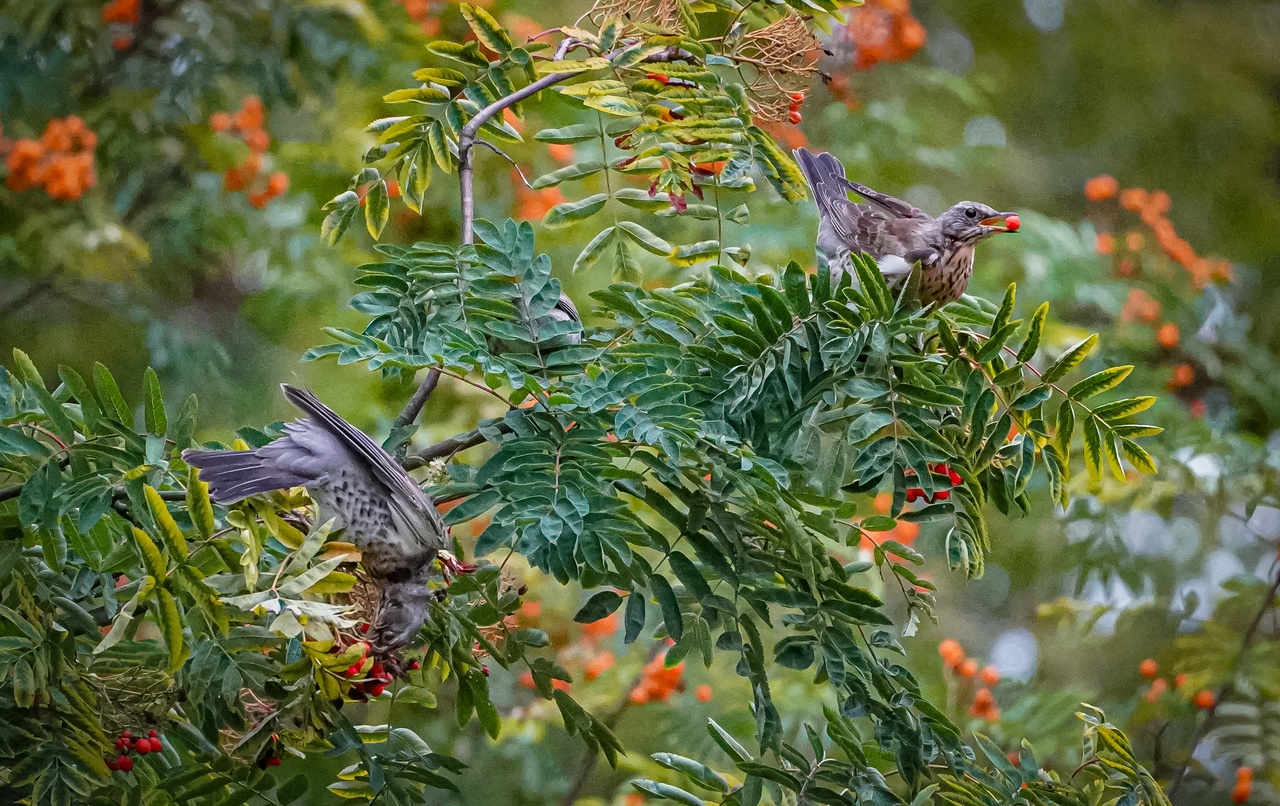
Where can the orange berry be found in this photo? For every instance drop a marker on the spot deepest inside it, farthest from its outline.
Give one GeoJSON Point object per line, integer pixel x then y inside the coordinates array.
{"type": "Point", "coordinates": [906, 532]}
{"type": "Point", "coordinates": [883, 503]}
{"type": "Point", "coordinates": [121, 43]}
{"type": "Point", "coordinates": [220, 121]}
{"type": "Point", "coordinates": [257, 139]}
{"type": "Point", "coordinates": [1239, 793]}
{"type": "Point", "coordinates": [1104, 244]}
{"type": "Point", "coordinates": [1158, 687]}
{"type": "Point", "coordinates": [703, 693]}
{"type": "Point", "coordinates": [1167, 336]}
{"type": "Point", "coordinates": [1183, 375]}
{"type": "Point", "coordinates": [968, 668]}
{"type": "Point", "coordinates": [278, 183]}
{"type": "Point", "coordinates": [259, 200]}
{"type": "Point", "coordinates": [1101, 188]}
{"type": "Point", "coordinates": [1204, 699]}
{"type": "Point", "coordinates": [984, 698]}
{"type": "Point", "coordinates": [251, 115]}
{"type": "Point", "coordinates": [560, 685]}
{"type": "Point", "coordinates": [1148, 668]}
{"type": "Point", "coordinates": [990, 675]}
{"type": "Point", "coordinates": [952, 653]}
{"type": "Point", "coordinates": [1133, 241]}
{"type": "Point", "coordinates": [561, 152]}
{"type": "Point", "coordinates": [1244, 774]}
{"type": "Point", "coordinates": [1133, 199]}
{"type": "Point", "coordinates": [599, 665]}
{"type": "Point", "coordinates": [1180, 681]}
{"type": "Point", "coordinates": [233, 180]}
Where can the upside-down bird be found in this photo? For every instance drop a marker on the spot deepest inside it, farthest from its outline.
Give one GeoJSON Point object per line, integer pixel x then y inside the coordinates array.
{"type": "Point", "coordinates": [358, 484]}
{"type": "Point", "coordinates": [895, 233]}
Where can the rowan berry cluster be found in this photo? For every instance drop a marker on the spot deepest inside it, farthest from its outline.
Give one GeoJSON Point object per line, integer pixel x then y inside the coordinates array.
{"type": "Point", "coordinates": [967, 671]}
{"type": "Point", "coordinates": [122, 13]}
{"type": "Point", "coordinates": [657, 681]}
{"type": "Point", "coordinates": [905, 532]}
{"type": "Point", "coordinates": [60, 162]}
{"type": "Point", "coordinates": [884, 31]}
{"type": "Point", "coordinates": [125, 743]}
{"type": "Point", "coordinates": [247, 123]}
{"type": "Point", "coordinates": [793, 110]}
{"type": "Point", "coordinates": [1152, 208]}
{"type": "Point", "coordinates": [943, 471]}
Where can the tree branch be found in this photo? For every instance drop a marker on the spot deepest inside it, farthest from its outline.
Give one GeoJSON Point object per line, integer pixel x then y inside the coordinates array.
{"type": "Point", "coordinates": [411, 409]}
{"type": "Point", "coordinates": [1229, 687]}
{"type": "Point", "coordinates": [467, 141]}
{"type": "Point", "coordinates": [449, 447]}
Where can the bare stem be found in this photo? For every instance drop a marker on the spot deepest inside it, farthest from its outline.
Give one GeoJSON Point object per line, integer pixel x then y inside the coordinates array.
{"type": "Point", "coordinates": [411, 409]}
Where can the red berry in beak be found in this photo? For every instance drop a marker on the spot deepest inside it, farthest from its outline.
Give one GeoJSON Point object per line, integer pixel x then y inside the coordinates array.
{"type": "Point", "coordinates": [1011, 223]}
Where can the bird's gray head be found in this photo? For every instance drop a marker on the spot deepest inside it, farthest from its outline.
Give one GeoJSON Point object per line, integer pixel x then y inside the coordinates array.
{"type": "Point", "coordinates": [971, 222]}
{"type": "Point", "coordinates": [402, 610]}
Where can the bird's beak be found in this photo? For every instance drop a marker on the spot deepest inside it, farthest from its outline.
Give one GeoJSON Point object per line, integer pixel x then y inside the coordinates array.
{"type": "Point", "coordinates": [1002, 222]}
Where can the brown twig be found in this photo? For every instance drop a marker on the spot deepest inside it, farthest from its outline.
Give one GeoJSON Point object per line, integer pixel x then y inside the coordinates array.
{"type": "Point", "coordinates": [448, 447]}
{"type": "Point", "coordinates": [411, 409]}
{"type": "Point", "coordinates": [1229, 687]}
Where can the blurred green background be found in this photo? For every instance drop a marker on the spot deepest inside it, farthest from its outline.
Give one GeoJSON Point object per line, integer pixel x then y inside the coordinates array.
{"type": "Point", "coordinates": [159, 263]}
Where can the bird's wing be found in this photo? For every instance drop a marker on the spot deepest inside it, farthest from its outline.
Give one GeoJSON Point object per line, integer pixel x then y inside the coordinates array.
{"type": "Point", "coordinates": [411, 506]}
{"type": "Point", "coordinates": [879, 229]}
{"type": "Point", "coordinates": [889, 204]}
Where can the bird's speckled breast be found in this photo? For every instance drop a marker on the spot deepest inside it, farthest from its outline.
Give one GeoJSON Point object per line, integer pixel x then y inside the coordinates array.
{"type": "Point", "coordinates": [946, 280]}
{"type": "Point", "coordinates": [352, 502]}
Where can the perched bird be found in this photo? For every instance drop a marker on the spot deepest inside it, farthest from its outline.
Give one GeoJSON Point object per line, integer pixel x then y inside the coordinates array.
{"type": "Point", "coordinates": [896, 234]}
{"type": "Point", "coordinates": [354, 481]}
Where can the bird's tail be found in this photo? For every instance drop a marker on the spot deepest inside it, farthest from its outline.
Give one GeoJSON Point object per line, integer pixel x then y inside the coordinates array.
{"type": "Point", "coordinates": [233, 475]}
{"type": "Point", "coordinates": [826, 179]}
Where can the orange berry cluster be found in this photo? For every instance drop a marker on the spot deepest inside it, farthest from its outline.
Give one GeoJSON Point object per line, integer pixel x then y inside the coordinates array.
{"type": "Point", "coordinates": [1152, 208]}
{"type": "Point", "coordinates": [984, 702]}
{"type": "Point", "coordinates": [657, 682]}
{"type": "Point", "coordinates": [122, 12]}
{"type": "Point", "coordinates": [797, 98]}
{"type": "Point", "coordinates": [60, 162]}
{"type": "Point", "coordinates": [884, 31]}
{"type": "Point", "coordinates": [247, 124]}
{"type": "Point", "coordinates": [1202, 699]}
{"type": "Point", "coordinates": [1244, 785]}
{"type": "Point", "coordinates": [125, 743]}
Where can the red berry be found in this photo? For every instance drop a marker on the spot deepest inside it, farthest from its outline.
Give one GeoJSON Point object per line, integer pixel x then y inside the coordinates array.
{"type": "Point", "coordinates": [124, 734]}
{"type": "Point", "coordinates": [941, 495]}
{"type": "Point", "coordinates": [484, 670]}
{"type": "Point", "coordinates": [955, 477]}
{"type": "Point", "coordinates": [113, 764]}
{"type": "Point", "coordinates": [914, 493]}
{"type": "Point", "coordinates": [124, 763]}
{"type": "Point", "coordinates": [795, 117]}
{"type": "Point", "coordinates": [414, 666]}
{"type": "Point", "coordinates": [364, 628]}
{"type": "Point", "coordinates": [352, 670]}
{"type": "Point", "coordinates": [376, 689]}
{"type": "Point", "coordinates": [143, 746]}
{"type": "Point", "coordinates": [151, 735]}
{"type": "Point", "coordinates": [1012, 223]}
{"type": "Point", "coordinates": [274, 761]}
{"type": "Point", "coordinates": [123, 744]}
{"type": "Point", "coordinates": [797, 97]}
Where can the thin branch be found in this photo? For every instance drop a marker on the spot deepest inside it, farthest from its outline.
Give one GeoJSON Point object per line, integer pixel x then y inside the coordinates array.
{"type": "Point", "coordinates": [445, 448]}
{"type": "Point", "coordinates": [9, 493]}
{"type": "Point", "coordinates": [467, 140]}
{"type": "Point", "coordinates": [480, 141]}
{"type": "Point", "coordinates": [411, 409]}
{"type": "Point", "coordinates": [1229, 687]}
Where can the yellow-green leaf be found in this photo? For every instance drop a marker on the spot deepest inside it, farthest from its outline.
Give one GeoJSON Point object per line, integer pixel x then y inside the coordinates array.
{"type": "Point", "coordinates": [199, 506]}
{"type": "Point", "coordinates": [151, 556]}
{"type": "Point", "coordinates": [170, 619]}
{"type": "Point", "coordinates": [174, 539]}
{"type": "Point", "coordinates": [486, 29]}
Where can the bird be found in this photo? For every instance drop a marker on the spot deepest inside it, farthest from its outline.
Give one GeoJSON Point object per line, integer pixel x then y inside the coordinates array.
{"type": "Point", "coordinates": [895, 233]}
{"type": "Point", "coordinates": [352, 480]}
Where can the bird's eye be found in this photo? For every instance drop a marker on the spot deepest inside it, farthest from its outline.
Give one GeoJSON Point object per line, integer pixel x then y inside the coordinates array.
{"type": "Point", "coordinates": [971, 212]}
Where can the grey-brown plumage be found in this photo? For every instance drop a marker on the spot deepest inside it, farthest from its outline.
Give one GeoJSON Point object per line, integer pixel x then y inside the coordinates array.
{"type": "Point", "coordinates": [353, 480]}
{"type": "Point", "coordinates": [895, 233]}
